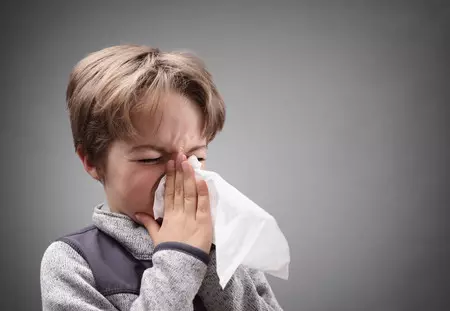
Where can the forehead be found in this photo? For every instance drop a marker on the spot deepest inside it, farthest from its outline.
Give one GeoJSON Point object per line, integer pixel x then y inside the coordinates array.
{"type": "Point", "coordinates": [174, 123]}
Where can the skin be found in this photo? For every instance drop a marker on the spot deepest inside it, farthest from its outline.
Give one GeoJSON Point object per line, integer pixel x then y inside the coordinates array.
{"type": "Point", "coordinates": [135, 167]}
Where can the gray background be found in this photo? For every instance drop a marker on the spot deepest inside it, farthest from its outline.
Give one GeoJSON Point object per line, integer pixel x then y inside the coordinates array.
{"type": "Point", "coordinates": [338, 125]}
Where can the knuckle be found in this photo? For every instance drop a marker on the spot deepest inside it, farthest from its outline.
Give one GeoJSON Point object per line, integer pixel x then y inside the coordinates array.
{"type": "Point", "coordinates": [188, 195]}
{"type": "Point", "coordinates": [178, 190]}
{"type": "Point", "coordinates": [168, 193]}
{"type": "Point", "coordinates": [203, 201]}
{"type": "Point", "coordinates": [202, 208]}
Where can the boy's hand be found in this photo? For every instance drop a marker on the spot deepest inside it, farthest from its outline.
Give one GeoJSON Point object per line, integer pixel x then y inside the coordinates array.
{"type": "Point", "coordinates": [187, 214]}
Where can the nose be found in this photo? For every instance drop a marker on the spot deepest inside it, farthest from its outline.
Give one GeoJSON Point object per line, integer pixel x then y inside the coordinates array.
{"type": "Point", "coordinates": [174, 155]}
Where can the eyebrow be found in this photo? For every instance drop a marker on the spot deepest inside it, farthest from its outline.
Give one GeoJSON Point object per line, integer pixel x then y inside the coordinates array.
{"type": "Point", "coordinates": [161, 149]}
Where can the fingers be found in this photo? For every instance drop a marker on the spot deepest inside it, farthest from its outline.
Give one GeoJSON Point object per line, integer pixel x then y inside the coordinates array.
{"type": "Point", "coordinates": [178, 200]}
{"type": "Point", "coordinates": [203, 208]}
{"type": "Point", "coordinates": [189, 220]}
{"type": "Point", "coordinates": [169, 190]}
{"type": "Point", "coordinates": [190, 189]}
{"type": "Point", "coordinates": [149, 223]}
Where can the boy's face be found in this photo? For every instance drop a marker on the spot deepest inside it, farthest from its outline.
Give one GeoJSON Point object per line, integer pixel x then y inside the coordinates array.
{"type": "Point", "coordinates": [134, 168]}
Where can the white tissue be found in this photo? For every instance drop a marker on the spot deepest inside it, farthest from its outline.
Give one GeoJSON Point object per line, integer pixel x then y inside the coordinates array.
{"type": "Point", "coordinates": [243, 232]}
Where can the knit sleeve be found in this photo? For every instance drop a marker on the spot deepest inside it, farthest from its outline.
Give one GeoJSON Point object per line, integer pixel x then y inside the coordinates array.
{"type": "Point", "coordinates": [248, 289]}
{"type": "Point", "coordinates": [67, 282]}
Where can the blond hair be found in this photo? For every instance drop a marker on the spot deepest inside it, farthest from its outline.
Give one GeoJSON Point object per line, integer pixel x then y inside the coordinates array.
{"type": "Point", "coordinates": [109, 86]}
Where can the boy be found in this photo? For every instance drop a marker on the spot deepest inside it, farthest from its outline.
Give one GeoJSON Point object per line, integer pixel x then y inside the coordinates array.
{"type": "Point", "coordinates": [136, 114]}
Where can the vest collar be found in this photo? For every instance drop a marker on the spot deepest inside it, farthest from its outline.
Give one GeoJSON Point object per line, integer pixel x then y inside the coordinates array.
{"type": "Point", "coordinates": [126, 231]}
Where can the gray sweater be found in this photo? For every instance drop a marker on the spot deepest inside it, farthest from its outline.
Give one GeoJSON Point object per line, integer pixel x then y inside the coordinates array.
{"type": "Point", "coordinates": [176, 277]}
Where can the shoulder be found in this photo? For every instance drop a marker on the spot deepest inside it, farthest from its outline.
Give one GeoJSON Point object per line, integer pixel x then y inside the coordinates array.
{"type": "Point", "coordinates": [60, 253]}
{"type": "Point", "coordinates": [63, 260]}
{"type": "Point", "coordinates": [67, 280]}
{"type": "Point", "coordinates": [66, 247]}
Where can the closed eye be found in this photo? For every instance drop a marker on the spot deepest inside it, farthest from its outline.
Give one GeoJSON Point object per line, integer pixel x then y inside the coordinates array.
{"type": "Point", "coordinates": [155, 160]}
{"type": "Point", "coordinates": [149, 160]}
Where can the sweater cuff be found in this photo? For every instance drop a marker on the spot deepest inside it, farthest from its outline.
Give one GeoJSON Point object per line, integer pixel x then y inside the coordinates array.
{"type": "Point", "coordinates": [184, 248]}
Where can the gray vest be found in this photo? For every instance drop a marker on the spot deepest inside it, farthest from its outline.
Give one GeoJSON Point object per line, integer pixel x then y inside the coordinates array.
{"type": "Point", "coordinates": [121, 273]}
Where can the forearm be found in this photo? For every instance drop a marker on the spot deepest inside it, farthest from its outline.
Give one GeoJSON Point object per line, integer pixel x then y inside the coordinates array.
{"type": "Point", "coordinates": [174, 280]}
{"type": "Point", "coordinates": [247, 290]}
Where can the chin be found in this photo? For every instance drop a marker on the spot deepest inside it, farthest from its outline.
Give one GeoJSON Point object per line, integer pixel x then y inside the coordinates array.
{"type": "Point", "coordinates": [131, 212]}
{"type": "Point", "coordinates": [147, 209]}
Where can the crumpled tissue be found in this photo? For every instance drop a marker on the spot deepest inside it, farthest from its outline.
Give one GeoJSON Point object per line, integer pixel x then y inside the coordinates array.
{"type": "Point", "coordinates": [244, 233]}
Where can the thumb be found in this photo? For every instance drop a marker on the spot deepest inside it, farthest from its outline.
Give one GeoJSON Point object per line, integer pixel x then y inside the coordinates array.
{"type": "Point", "coordinates": [149, 223]}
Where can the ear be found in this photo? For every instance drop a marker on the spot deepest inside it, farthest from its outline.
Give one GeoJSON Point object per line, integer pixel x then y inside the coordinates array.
{"type": "Point", "coordinates": [88, 166]}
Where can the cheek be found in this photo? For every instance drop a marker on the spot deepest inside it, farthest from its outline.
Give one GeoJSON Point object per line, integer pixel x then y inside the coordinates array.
{"type": "Point", "coordinates": [141, 182]}
{"type": "Point", "coordinates": [134, 183]}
